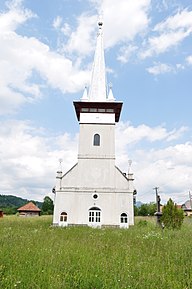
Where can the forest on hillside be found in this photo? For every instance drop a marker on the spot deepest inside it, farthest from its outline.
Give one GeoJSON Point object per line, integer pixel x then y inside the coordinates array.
{"type": "Point", "coordinates": [9, 204]}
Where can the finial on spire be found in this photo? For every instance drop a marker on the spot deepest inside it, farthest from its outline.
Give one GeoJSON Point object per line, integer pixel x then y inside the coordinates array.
{"type": "Point", "coordinates": [100, 24]}
{"type": "Point", "coordinates": [100, 20]}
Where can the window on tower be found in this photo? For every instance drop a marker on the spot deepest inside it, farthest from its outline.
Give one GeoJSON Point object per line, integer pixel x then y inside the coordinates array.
{"type": "Point", "coordinates": [96, 140]}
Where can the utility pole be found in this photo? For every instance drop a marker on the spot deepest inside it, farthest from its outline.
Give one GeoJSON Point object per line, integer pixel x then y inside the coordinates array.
{"type": "Point", "coordinates": [158, 200]}
{"type": "Point", "coordinates": [190, 199]}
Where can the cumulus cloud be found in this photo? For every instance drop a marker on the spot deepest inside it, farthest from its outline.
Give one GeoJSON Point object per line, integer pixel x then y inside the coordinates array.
{"type": "Point", "coordinates": [117, 29]}
{"type": "Point", "coordinates": [126, 53]}
{"type": "Point", "coordinates": [189, 60]}
{"type": "Point", "coordinates": [15, 16]}
{"type": "Point", "coordinates": [160, 68]}
{"type": "Point", "coordinates": [181, 20]}
{"type": "Point", "coordinates": [171, 33]}
{"type": "Point", "coordinates": [168, 167]}
{"type": "Point", "coordinates": [81, 40]}
{"type": "Point", "coordinates": [124, 19]}
{"type": "Point", "coordinates": [57, 22]}
{"type": "Point", "coordinates": [135, 134]}
{"type": "Point", "coordinates": [29, 158]}
{"type": "Point", "coordinates": [23, 56]}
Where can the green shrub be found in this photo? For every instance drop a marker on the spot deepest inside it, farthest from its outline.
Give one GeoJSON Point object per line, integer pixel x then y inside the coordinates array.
{"type": "Point", "coordinates": [172, 217]}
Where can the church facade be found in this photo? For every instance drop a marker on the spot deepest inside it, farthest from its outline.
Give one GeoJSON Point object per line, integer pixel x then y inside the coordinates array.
{"type": "Point", "coordinates": [95, 192]}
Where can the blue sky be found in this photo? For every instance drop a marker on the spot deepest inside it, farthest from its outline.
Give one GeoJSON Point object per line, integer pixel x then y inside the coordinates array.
{"type": "Point", "coordinates": [46, 54]}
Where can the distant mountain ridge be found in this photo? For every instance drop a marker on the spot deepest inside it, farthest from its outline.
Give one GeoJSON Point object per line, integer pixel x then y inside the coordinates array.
{"type": "Point", "coordinates": [7, 201]}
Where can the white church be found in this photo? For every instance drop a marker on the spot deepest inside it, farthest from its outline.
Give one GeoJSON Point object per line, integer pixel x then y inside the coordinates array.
{"type": "Point", "coordinates": [95, 192]}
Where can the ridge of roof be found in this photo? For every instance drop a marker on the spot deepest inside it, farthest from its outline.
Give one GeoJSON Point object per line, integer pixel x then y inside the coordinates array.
{"type": "Point", "coordinates": [29, 207]}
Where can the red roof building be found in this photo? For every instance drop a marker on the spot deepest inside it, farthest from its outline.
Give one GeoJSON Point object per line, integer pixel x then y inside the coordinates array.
{"type": "Point", "coordinates": [29, 210]}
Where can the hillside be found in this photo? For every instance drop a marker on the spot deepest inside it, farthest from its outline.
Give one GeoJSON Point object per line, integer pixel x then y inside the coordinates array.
{"type": "Point", "coordinates": [13, 202]}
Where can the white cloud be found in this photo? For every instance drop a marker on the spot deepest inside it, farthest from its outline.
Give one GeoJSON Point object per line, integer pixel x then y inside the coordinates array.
{"type": "Point", "coordinates": [181, 20]}
{"type": "Point", "coordinates": [123, 20]}
{"type": "Point", "coordinates": [29, 158]}
{"type": "Point", "coordinates": [15, 16]}
{"type": "Point", "coordinates": [57, 22]}
{"type": "Point", "coordinates": [126, 52]}
{"type": "Point", "coordinates": [189, 59]}
{"type": "Point", "coordinates": [21, 56]}
{"type": "Point", "coordinates": [136, 134]}
{"type": "Point", "coordinates": [81, 40]}
{"type": "Point", "coordinates": [168, 168]}
{"type": "Point", "coordinates": [172, 32]}
{"type": "Point", "coordinates": [164, 42]}
{"type": "Point", "coordinates": [160, 68]}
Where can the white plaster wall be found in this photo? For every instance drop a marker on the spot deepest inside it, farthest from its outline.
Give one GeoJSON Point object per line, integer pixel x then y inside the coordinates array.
{"type": "Point", "coordinates": [94, 173]}
{"type": "Point", "coordinates": [77, 204]}
{"type": "Point", "coordinates": [107, 141]}
{"type": "Point", "coordinates": [97, 118]}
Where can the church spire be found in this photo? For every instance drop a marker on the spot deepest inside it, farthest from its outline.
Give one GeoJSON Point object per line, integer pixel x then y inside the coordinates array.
{"type": "Point", "coordinates": [97, 90]}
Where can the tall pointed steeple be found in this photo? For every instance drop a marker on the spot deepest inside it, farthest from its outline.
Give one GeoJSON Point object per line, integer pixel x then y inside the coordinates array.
{"type": "Point", "coordinates": [98, 103]}
{"type": "Point", "coordinates": [97, 90]}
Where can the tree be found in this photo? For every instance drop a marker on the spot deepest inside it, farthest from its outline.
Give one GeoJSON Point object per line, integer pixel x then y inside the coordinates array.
{"type": "Point", "coordinates": [47, 207]}
{"type": "Point", "coordinates": [147, 209]}
{"type": "Point", "coordinates": [136, 211]}
{"type": "Point", "coordinates": [143, 210]}
{"type": "Point", "coordinates": [172, 217]}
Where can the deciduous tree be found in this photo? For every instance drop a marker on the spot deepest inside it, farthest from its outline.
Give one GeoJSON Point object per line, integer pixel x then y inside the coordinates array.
{"type": "Point", "coordinates": [47, 207]}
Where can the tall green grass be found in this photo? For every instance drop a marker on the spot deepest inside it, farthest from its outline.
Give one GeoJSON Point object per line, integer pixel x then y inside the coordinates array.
{"type": "Point", "coordinates": [33, 254]}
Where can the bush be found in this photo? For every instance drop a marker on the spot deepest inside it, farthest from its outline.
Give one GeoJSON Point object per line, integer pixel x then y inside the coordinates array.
{"type": "Point", "coordinates": [172, 217]}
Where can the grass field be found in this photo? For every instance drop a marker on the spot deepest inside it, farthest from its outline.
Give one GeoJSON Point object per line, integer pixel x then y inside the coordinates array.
{"type": "Point", "coordinates": [33, 254]}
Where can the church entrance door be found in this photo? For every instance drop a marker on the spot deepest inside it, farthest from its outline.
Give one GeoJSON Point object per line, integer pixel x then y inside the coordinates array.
{"type": "Point", "coordinates": [95, 217]}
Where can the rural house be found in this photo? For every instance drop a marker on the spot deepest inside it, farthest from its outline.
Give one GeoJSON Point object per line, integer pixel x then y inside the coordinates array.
{"type": "Point", "coordinates": [95, 192]}
{"type": "Point", "coordinates": [29, 210]}
{"type": "Point", "coordinates": [187, 208]}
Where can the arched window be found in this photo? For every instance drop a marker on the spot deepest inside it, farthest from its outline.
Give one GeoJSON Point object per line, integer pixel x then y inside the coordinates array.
{"type": "Point", "coordinates": [94, 215]}
{"type": "Point", "coordinates": [124, 218]}
{"type": "Point", "coordinates": [96, 140]}
{"type": "Point", "coordinates": [63, 217]}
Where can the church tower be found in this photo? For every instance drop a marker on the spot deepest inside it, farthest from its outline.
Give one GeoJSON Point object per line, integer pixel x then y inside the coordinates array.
{"type": "Point", "coordinates": [94, 191]}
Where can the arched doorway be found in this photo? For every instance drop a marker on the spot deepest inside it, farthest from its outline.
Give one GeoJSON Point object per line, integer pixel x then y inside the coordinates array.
{"type": "Point", "coordinates": [124, 221]}
{"type": "Point", "coordinates": [95, 217]}
{"type": "Point", "coordinates": [63, 219]}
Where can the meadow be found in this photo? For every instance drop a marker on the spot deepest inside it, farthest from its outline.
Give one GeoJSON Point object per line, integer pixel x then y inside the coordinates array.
{"type": "Point", "coordinates": [33, 254]}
